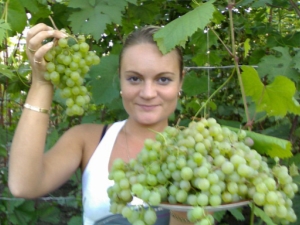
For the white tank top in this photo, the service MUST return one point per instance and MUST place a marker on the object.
(95, 178)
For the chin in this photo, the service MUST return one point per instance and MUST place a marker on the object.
(146, 120)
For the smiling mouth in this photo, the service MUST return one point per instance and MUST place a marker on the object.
(147, 107)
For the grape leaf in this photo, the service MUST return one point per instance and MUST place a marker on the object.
(92, 19)
(276, 98)
(269, 145)
(296, 61)
(4, 27)
(260, 213)
(177, 32)
(272, 146)
(237, 214)
(247, 47)
(272, 65)
(145, 12)
(6, 72)
(105, 82)
(219, 215)
(75, 220)
(194, 85)
(16, 16)
(261, 3)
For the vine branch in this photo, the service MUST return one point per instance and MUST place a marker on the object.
(231, 5)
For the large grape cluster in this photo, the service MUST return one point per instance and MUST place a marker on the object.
(201, 165)
(67, 64)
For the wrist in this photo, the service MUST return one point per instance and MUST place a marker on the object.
(40, 94)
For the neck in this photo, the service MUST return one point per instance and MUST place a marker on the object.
(143, 131)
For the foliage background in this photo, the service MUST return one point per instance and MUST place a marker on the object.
(262, 35)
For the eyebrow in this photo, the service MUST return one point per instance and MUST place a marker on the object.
(159, 74)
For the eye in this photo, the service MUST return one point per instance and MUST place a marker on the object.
(164, 80)
(134, 79)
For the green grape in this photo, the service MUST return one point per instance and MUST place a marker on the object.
(50, 67)
(63, 42)
(150, 216)
(126, 212)
(202, 199)
(154, 198)
(67, 60)
(54, 77)
(67, 64)
(74, 75)
(75, 90)
(201, 165)
(84, 47)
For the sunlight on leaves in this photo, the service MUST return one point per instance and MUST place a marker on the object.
(276, 98)
(177, 32)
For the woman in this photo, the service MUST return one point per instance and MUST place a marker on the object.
(150, 85)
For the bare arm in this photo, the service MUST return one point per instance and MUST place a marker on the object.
(31, 172)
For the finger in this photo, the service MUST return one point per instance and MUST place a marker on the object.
(39, 55)
(35, 41)
(36, 29)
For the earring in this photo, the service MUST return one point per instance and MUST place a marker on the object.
(179, 93)
(120, 92)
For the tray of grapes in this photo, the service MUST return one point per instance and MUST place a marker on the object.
(185, 208)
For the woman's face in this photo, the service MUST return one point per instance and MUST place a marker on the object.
(150, 83)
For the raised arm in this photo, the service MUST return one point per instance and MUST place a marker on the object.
(31, 172)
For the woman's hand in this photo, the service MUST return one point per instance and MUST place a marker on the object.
(36, 50)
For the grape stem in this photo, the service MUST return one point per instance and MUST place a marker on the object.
(52, 21)
(159, 134)
(213, 94)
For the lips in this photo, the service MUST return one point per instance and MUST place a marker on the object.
(147, 107)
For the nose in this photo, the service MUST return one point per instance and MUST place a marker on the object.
(148, 90)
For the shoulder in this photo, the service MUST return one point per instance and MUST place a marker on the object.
(84, 132)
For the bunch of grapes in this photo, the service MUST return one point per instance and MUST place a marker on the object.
(67, 64)
(201, 165)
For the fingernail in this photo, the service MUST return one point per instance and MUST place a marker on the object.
(50, 44)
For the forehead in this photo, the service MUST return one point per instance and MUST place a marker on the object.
(147, 55)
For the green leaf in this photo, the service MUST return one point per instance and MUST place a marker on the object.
(51, 139)
(272, 65)
(261, 3)
(296, 61)
(92, 19)
(237, 214)
(219, 215)
(194, 85)
(272, 146)
(247, 47)
(260, 213)
(3, 151)
(16, 16)
(75, 220)
(6, 72)
(105, 80)
(177, 32)
(276, 98)
(48, 213)
(145, 12)
(25, 213)
(4, 27)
